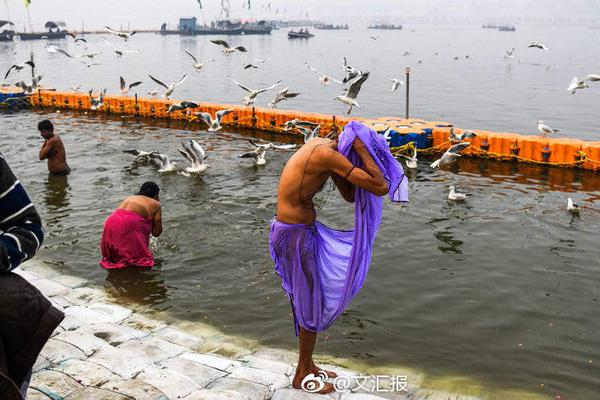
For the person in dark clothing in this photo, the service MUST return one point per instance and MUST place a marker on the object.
(27, 318)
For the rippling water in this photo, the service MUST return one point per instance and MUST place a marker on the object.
(501, 291)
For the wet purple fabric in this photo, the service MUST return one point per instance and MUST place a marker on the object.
(322, 269)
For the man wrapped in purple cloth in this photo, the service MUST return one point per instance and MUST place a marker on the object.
(322, 269)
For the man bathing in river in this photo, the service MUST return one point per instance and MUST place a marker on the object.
(127, 231)
(53, 149)
(318, 272)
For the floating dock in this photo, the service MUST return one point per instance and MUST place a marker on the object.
(403, 134)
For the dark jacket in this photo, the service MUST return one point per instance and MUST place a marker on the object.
(27, 320)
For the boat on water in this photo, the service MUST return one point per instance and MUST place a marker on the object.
(386, 27)
(331, 27)
(56, 30)
(301, 34)
(507, 28)
(7, 34)
(489, 26)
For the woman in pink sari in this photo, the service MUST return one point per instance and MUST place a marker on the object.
(127, 230)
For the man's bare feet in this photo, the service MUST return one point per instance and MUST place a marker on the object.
(317, 385)
(316, 370)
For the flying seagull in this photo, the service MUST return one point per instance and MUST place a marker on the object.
(538, 45)
(450, 155)
(195, 154)
(576, 84)
(294, 123)
(19, 67)
(258, 154)
(396, 83)
(248, 66)
(119, 51)
(350, 97)
(90, 55)
(227, 50)
(249, 100)
(76, 39)
(510, 53)
(545, 129)
(411, 162)
(163, 162)
(184, 105)
(214, 124)
(282, 95)
(592, 78)
(89, 65)
(170, 88)
(29, 89)
(54, 49)
(98, 102)
(309, 134)
(459, 137)
(153, 92)
(123, 35)
(139, 154)
(454, 196)
(124, 88)
(196, 64)
(324, 79)
(351, 72)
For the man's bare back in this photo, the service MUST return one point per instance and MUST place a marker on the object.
(308, 170)
(53, 150)
(147, 208)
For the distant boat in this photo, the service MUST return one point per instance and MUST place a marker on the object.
(7, 34)
(386, 27)
(489, 26)
(301, 34)
(227, 27)
(507, 28)
(55, 31)
(331, 27)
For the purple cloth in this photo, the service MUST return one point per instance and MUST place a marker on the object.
(322, 269)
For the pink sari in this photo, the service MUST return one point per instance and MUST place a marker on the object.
(125, 241)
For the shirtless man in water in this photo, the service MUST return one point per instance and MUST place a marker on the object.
(53, 150)
(303, 177)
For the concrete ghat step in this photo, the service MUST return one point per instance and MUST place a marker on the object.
(93, 393)
(430, 394)
(170, 382)
(214, 395)
(251, 390)
(135, 389)
(98, 313)
(267, 378)
(54, 382)
(269, 365)
(200, 374)
(295, 394)
(85, 295)
(123, 362)
(56, 351)
(115, 334)
(83, 340)
(180, 337)
(153, 348)
(142, 323)
(85, 372)
(49, 287)
(211, 360)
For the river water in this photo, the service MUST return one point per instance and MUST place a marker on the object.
(499, 293)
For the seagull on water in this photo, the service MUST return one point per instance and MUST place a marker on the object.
(454, 196)
(214, 124)
(249, 100)
(545, 129)
(350, 97)
(181, 106)
(309, 134)
(283, 95)
(98, 102)
(29, 89)
(170, 88)
(396, 83)
(195, 154)
(510, 53)
(19, 67)
(89, 65)
(76, 88)
(163, 162)
(324, 79)
(459, 137)
(196, 64)
(124, 88)
(538, 45)
(123, 35)
(576, 84)
(294, 123)
(261, 149)
(227, 49)
(451, 155)
(119, 51)
(411, 162)
(573, 208)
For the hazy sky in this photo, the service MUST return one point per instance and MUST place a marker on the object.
(150, 13)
